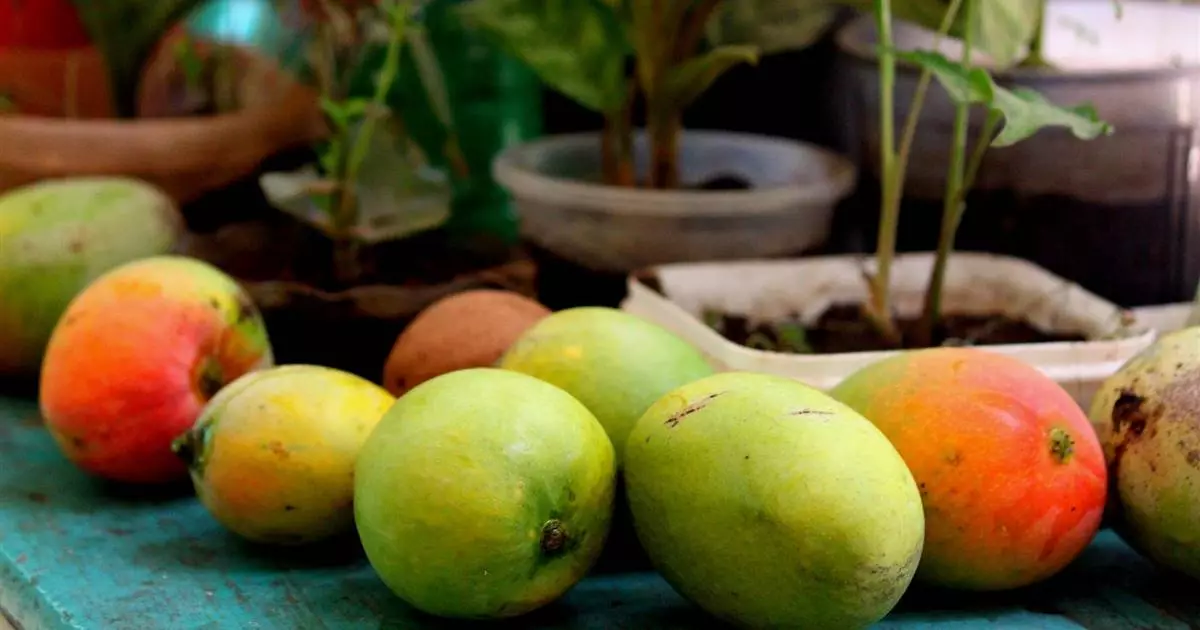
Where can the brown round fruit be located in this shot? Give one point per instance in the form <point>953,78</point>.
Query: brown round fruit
<point>465,330</point>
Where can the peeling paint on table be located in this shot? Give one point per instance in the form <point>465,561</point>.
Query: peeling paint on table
<point>79,554</point>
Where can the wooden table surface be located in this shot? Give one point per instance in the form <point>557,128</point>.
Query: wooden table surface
<point>78,554</point>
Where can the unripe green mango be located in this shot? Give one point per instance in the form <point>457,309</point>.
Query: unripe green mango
<point>56,236</point>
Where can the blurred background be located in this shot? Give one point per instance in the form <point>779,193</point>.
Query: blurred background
<point>250,113</point>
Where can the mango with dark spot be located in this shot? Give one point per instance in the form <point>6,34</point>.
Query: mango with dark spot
<point>57,236</point>
<point>272,456</point>
<point>1148,418</point>
<point>484,493</point>
<point>769,504</point>
<point>1011,474</point>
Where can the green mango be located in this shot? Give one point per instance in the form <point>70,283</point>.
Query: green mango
<point>56,236</point>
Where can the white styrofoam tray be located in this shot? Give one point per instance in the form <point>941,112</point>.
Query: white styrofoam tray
<point>975,284</point>
<point>1164,318</point>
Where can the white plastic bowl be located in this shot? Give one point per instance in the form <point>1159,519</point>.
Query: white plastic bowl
<point>565,209</point>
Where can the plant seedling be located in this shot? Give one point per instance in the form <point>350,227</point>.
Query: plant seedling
<point>1022,113</point>
<point>369,167</point>
<point>584,49</point>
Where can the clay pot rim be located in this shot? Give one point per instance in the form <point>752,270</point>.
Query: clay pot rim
<point>175,125</point>
<point>185,155</point>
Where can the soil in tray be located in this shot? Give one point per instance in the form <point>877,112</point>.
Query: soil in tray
<point>844,328</point>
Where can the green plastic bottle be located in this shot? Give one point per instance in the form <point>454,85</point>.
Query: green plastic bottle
<point>494,101</point>
<point>497,102</point>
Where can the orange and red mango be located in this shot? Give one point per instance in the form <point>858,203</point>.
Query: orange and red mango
<point>1011,473</point>
<point>136,356</point>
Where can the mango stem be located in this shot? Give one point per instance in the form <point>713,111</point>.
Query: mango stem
<point>184,448</point>
<point>554,536</point>
<point>1062,445</point>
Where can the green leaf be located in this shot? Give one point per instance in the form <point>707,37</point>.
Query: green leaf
<point>1024,110</point>
<point>772,25</point>
<point>926,13</point>
<point>689,80</point>
<point>577,47</point>
<point>126,33</point>
<point>1005,29</point>
<point>430,75</point>
<point>1002,28</point>
<point>344,113</point>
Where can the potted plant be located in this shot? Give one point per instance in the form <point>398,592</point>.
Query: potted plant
<point>627,197</point>
<point>818,319</point>
<point>124,115</point>
<point>357,248</point>
<point>1081,210</point>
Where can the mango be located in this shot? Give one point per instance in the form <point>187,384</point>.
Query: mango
<point>135,358</point>
<point>1147,415</point>
<point>769,504</point>
<point>56,237</point>
<point>272,455</point>
<point>615,363</point>
<point>484,493</point>
<point>1011,474</point>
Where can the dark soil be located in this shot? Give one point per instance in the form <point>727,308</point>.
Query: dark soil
<point>715,183</point>
<point>278,247</point>
<point>724,182</point>
<point>312,318</point>
<point>844,328</point>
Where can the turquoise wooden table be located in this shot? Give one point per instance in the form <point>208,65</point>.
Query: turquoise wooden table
<point>77,553</point>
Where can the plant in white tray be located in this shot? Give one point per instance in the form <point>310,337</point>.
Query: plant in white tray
<point>817,319</point>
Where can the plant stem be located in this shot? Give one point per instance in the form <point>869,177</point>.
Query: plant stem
<point>918,100</point>
<point>664,130</point>
<point>693,29</point>
<point>894,165</point>
<point>346,210</point>
<point>664,121</point>
<point>617,143</point>
<point>982,144</point>
<point>954,199</point>
<point>1037,45</point>
<point>879,308</point>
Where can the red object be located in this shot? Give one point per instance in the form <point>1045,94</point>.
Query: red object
<point>135,358</point>
<point>1011,473</point>
<point>41,24</point>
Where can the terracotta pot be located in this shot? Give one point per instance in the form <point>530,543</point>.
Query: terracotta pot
<point>69,82</point>
<point>185,155</point>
